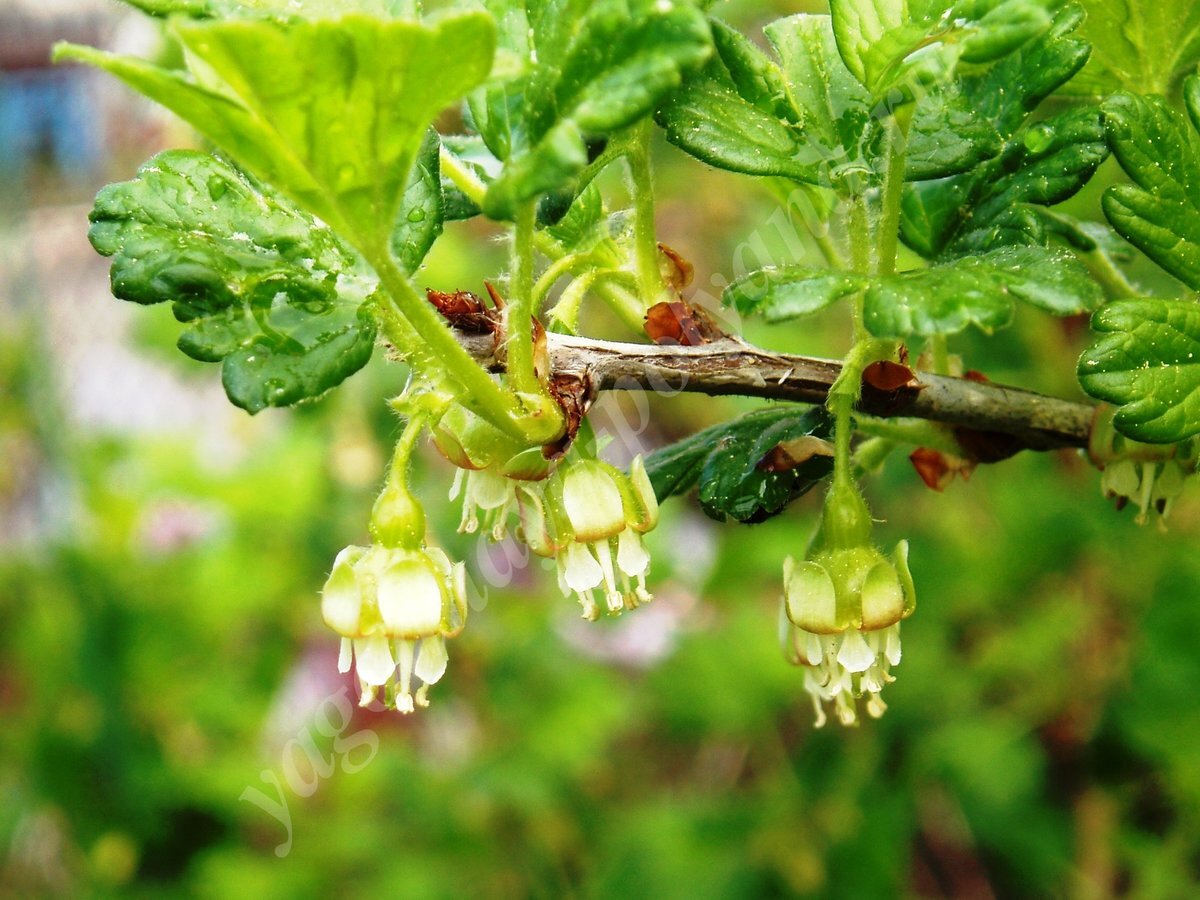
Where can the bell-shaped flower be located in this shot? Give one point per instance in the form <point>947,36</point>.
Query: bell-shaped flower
<point>490,464</point>
<point>394,608</point>
<point>590,518</point>
<point>841,611</point>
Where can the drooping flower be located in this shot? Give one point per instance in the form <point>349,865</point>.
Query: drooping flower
<point>394,608</point>
<point>590,517</point>
<point>490,465</point>
<point>841,611</point>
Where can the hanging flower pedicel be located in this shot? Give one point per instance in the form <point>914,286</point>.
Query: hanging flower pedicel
<point>842,608</point>
<point>394,603</point>
<point>590,517</point>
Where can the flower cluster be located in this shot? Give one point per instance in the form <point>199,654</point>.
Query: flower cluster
<point>841,610</point>
<point>590,517</point>
<point>394,608</point>
<point>1151,476</point>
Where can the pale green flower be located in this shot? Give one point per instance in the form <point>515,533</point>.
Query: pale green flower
<point>394,609</point>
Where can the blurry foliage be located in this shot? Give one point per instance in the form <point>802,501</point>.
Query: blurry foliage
<point>1043,732</point>
<point>160,642</point>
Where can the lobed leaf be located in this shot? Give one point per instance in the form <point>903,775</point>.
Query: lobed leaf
<point>331,113</point>
<point>808,119</point>
<point>590,69</point>
<point>724,461</point>
<point>879,40</point>
<point>261,285</point>
<point>944,299</point>
<point>1147,361</point>
<point>1140,45</point>
<point>1160,212</point>
<point>978,290</point>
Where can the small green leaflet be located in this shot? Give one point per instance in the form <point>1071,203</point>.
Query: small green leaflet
<point>944,299</point>
<point>879,40</point>
<point>1160,212</point>
<point>1139,45</point>
<point>591,68</point>
<point>1147,361</point>
<point>1039,164</point>
<point>330,113</point>
<point>807,118</point>
<point>259,283</point>
<point>724,461</point>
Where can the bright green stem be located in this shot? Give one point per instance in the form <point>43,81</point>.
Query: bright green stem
<point>419,334</point>
<point>462,177</point>
<point>624,303</point>
<point>556,270</point>
<point>896,131</point>
<point>397,519</point>
<point>519,316</point>
<point>939,350</point>
<point>650,283</point>
<point>915,432</point>
<point>1112,279</point>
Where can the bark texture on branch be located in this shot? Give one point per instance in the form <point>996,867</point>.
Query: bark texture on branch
<point>731,366</point>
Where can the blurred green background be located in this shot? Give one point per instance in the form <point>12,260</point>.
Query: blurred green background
<point>173,723</point>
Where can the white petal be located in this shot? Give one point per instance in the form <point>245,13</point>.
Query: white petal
<point>814,650</point>
<point>487,490</point>
<point>410,599</point>
<point>891,645</point>
<point>592,501</point>
<point>580,571</point>
<point>345,656</point>
<point>341,598</point>
<point>431,660</point>
<point>373,659</point>
<point>855,654</point>
<point>631,554</point>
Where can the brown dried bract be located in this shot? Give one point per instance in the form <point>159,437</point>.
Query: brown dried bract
<point>574,394</point>
<point>464,311</point>
<point>885,375</point>
<point>676,271</point>
<point>677,322</point>
<point>938,469</point>
<point>788,455</point>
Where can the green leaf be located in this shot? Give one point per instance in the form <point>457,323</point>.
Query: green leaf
<point>422,207</point>
<point>590,69</point>
<point>978,290</point>
<point>724,461</point>
<point>1144,46</point>
<point>331,112</point>
<point>972,290</point>
<point>1039,164</point>
<point>1147,361</point>
<point>988,208</point>
<point>879,39</point>
<point>787,292</point>
<point>1160,212</point>
<point>261,285</point>
<point>824,128</point>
